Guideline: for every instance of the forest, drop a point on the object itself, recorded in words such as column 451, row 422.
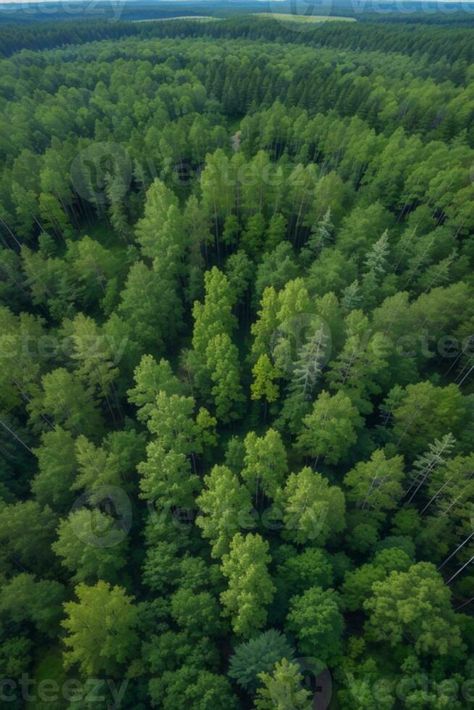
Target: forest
column 237, row 356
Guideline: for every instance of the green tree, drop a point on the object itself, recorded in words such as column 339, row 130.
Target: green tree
column 331, row 272
column 52, row 215
column 195, row 225
column 253, row 235
column 192, row 687
column 150, row 378
column 196, row 612
column 231, row 230
column 313, row 510
column 376, row 484
column 364, row 359
column 56, row 469
column 80, row 549
column 426, row 412
column 24, row 598
column 110, row 464
column 351, row 296
column 265, row 327
column 97, row 273
column 150, row 304
column 317, row 622
column 276, row 268
column 258, row 655
column 361, row 228
column 218, row 181
column 250, row 587
column 100, row 629
column 259, row 184
column 331, row 429
column 301, row 570
column 293, row 301
column 310, row 361
column 160, row 203
column 226, row 508
column 212, row 318
column 320, row 237
column 283, row 689
column 64, row 401
column 414, row 607
column 276, row 231
column 240, row 272
column 264, row 376
column 450, row 491
column 301, row 183
column 167, row 472
column 26, row 534
column 23, row 367
column 358, row 583
column 222, row 362
column 293, row 314
column 265, row 463
column 95, row 361
column 376, row 261
column 426, row 465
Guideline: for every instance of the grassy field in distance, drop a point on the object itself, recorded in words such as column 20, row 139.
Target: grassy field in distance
column 196, row 18
column 304, row 18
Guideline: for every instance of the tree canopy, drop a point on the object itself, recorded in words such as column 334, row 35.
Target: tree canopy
column 236, row 311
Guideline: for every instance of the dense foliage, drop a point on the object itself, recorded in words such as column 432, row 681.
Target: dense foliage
column 237, row 414
column 439, row 36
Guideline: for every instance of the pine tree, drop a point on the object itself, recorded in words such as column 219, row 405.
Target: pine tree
column 376, row 260
column 310, row 362
column 427, row 464
column 351, row 296
column 320, row 238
